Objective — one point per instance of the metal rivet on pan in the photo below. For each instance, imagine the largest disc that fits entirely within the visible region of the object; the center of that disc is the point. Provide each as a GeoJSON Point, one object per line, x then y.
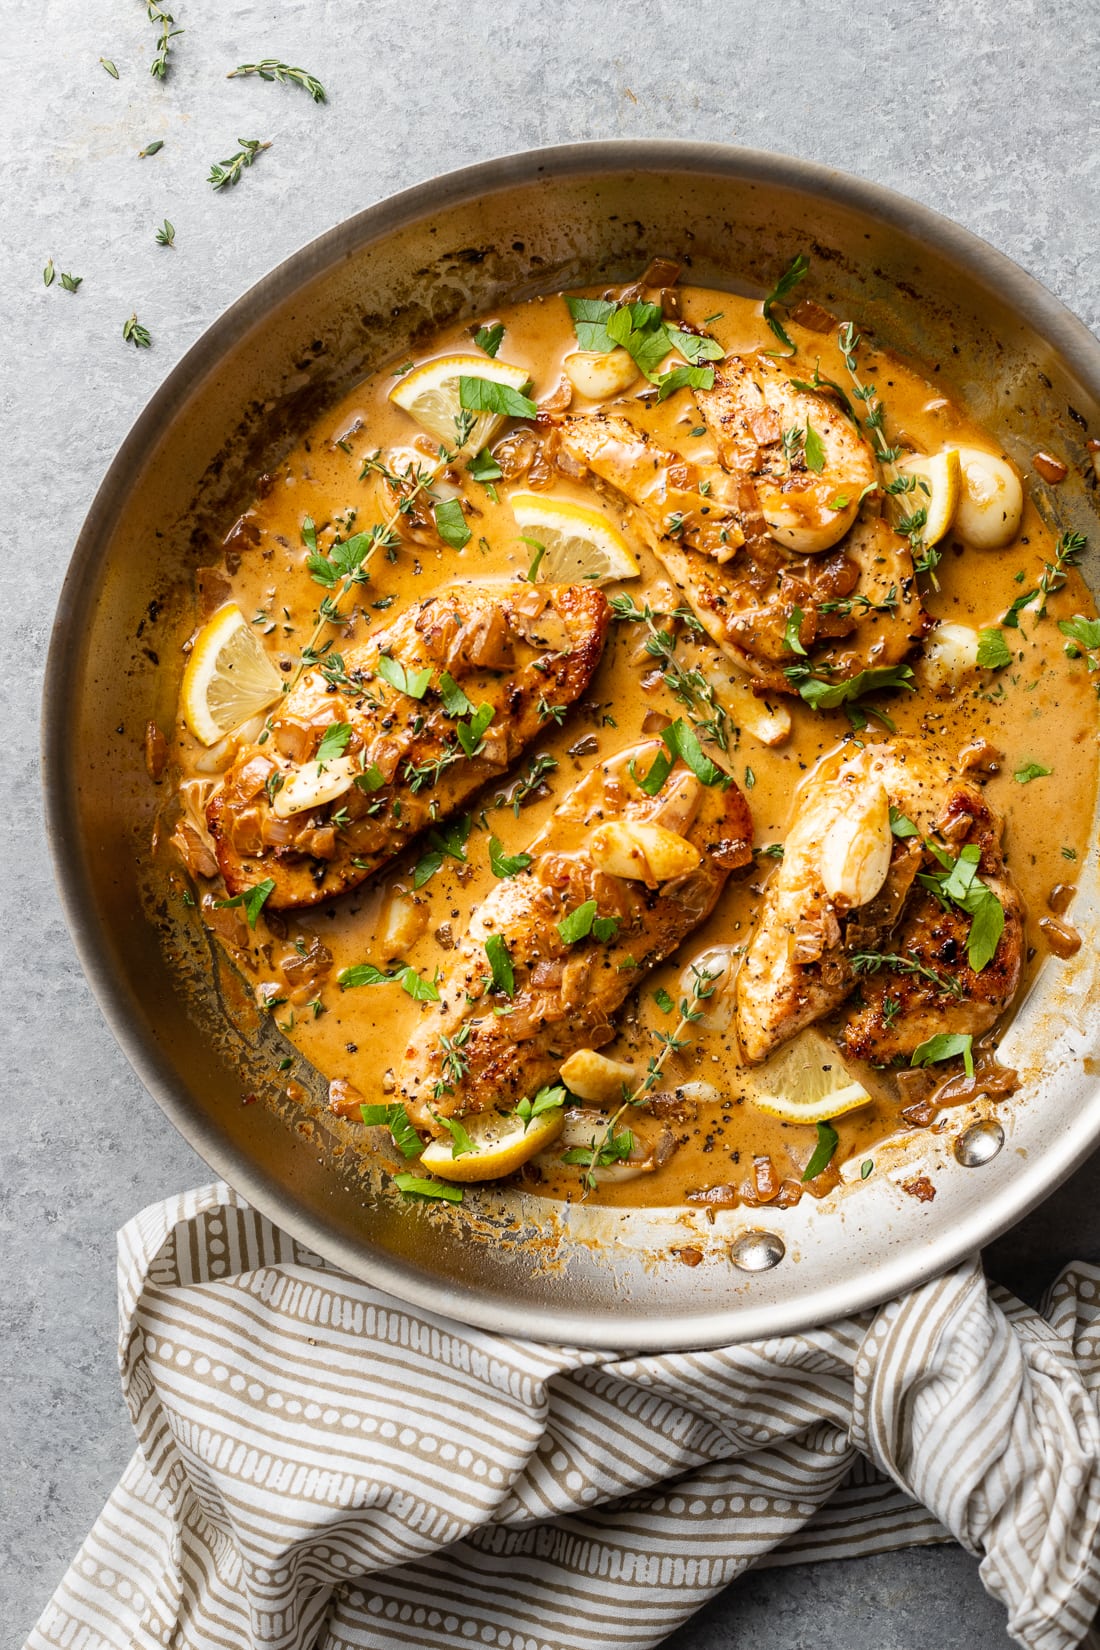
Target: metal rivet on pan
{"type": "Point", "coordinates": [757, 1251]}
{"type": "Point", "coordinates": [979, 1144]}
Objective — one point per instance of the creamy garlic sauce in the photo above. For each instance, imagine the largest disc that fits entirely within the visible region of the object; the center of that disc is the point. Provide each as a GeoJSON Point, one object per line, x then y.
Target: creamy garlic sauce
{"type": "Point", "coordinates": [1040, 709]}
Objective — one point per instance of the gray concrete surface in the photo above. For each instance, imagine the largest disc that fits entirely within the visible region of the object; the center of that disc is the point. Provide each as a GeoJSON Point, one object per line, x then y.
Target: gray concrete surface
{"type": "Point", "coordinates": [982, 110]}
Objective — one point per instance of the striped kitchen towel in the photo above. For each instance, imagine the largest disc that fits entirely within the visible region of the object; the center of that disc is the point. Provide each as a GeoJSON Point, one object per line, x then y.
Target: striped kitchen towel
{"type": "Point", "coordinates": [319, 1467]}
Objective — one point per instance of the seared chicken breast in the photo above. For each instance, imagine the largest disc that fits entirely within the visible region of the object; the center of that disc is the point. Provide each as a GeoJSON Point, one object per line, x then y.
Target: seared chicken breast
{"type": "Point", "coordinates": [859, 603]}
{"type": "Point", "coordinates": [896, 1011]}
{"type": "Point", "coordinates": [642, 871]}
{"type": "Point", "coordinates": [397, 732]}
{"type": "Point", "coordinates": [810, 466]}
{"type": "Point", "coordinates": [845, 900]}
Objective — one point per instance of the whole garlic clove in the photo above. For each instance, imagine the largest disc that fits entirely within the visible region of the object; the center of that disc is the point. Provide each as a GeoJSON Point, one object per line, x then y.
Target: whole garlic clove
{"type": "Point", "coordinates": [950, 656]}
{"type": "Point", "coordinates": [856, 849]}
{"type": "Point", "coordinates": [641, 852]}
{"type": "Point", "coordinates": [314, 783]}
{"type": "Point", "coordinates": [597, 1077]}
{"type": "Point", "coordinates": [596, 376]}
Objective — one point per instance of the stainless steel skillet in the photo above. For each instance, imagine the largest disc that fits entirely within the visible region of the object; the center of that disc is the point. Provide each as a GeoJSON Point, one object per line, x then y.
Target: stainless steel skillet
{"type": "Point", "coordinates": [390, 275]}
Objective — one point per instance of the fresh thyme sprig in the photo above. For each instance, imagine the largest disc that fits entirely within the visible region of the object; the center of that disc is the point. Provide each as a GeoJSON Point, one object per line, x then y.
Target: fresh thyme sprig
{"type": "Point", "coordinates": [166, 234]}
{"type": "Point", "coordinates": [671, 1042]}
{"type": "Point", "coordinates": [869, 962]}
{"type": "Point", "coordinates": [874, 414]}
{"type": "Point", "coordinates": [269, 68]}
{"type": "Point", "coordinates": [158, 68]}
{"type": "Point", "coordinates": [910, 515]}
{"type": "Point", "coordinates": [1066, 554]}
{"type": "Point", "coordinates": [225, 173]}
{"type": "Point", "coordinates": [354, 567]}
{"type": "Point", "coordinates": [690, 687]}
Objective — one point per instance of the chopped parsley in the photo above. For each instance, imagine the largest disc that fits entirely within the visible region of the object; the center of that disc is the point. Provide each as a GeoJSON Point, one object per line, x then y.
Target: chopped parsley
{"type": "Point", "coordinates": [780, 295]}
{"type": "Point", "coordinates": [252, 899]}
{"type": "Point", "coordinates": [489, 338]}
{"type": "Point", "coordinates": [945, 1045]}
{"type": "Point", "coordinates": [993, 651]}
{"type": "Point", "coordinates": [396, 1119]}
{"type": "Point", "coordinates": [419, 989]}
{"type": "Point", "coordinates": [506, 865]}
{"type": "Point", "coordinates": [411, 1185]}
{"type": "Point", "coordinates": [413, 683]}
{"type": "Point", "coordinates": [450, 523]}
{"type": "Point", "coordinates": [827, 1142]}
{"type": "Point", "coordinates": [500, 963]}
{"type": "Point", "coordinates": [486, 395]}
{"type": "Point", "coordinates": [547, 1099]}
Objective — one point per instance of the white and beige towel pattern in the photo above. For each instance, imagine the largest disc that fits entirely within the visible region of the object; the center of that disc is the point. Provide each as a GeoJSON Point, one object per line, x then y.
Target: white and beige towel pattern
{"type": "Point", "coordinates": [321, 1468]}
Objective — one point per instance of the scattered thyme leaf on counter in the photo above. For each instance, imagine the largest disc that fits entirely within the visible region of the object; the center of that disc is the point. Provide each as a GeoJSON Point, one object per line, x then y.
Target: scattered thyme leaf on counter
{"type": "Point", "coordinates": [269, 68]}
{"type": "Point", "coordinates": [48, 273]}
{"type": "Point", "coordinates": [153, 148]}
{"type": "Point", "coordinates": [110, 68]}
{"type": "Point", "coordinates": [166, 234]}
{"type": "Point", "coordinates": [224, 174]}
{"type": "Point", "coordinates": [134, 333]}
{"type": "Point", "coordinates": [158, 68]}
{"type": "Point", "coordinates": [71, 282]}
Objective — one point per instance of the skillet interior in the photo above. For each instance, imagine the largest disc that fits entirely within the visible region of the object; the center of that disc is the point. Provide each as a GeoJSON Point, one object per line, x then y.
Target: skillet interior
{"type": "Point", "coordinates": [393, 274]}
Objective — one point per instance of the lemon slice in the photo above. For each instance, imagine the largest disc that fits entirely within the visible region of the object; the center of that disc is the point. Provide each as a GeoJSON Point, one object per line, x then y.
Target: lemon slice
{"type": "Point", "coordinates": [501, 1144]}
{"type": "Point", "coordinates": [430, 394]}
{"type": "Point", "coordinates": [228, 678]}
{"type": "Point", "coordinates": [807, 1082]}
{"type": "Point", "coordinates": [577, 543]}
{"type": "Point", "coordinates": [938, 490]}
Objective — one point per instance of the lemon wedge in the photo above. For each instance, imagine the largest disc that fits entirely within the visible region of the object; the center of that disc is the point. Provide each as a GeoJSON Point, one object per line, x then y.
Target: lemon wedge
{"type": "Point", "coordinates": [229, 677]}
{"type": "Point", "coordinates": [578, 543]}
{"type": "Point", "coordinates": [807, 1082]}
{"type": "Point", "coordinates": [938, 490]}
{"type": "Point", "coordinates": [501, 1144]}
{"type": "Point", "coordinates": [430, 394]}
